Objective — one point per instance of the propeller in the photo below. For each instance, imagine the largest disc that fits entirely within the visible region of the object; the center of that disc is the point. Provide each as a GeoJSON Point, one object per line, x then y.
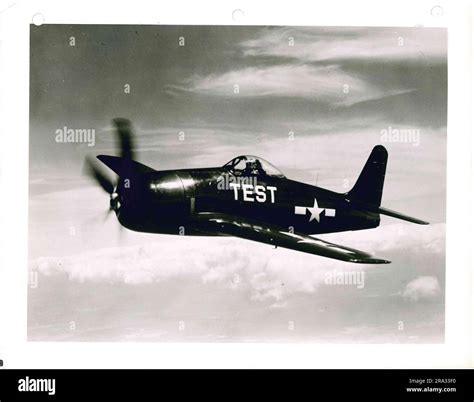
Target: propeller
{"type": "Point", "coordinates": [125, 137]}
{"type": "Point", "coordinates": [92, 170]}
{"type": "Point", "coordinates": [125, 144]}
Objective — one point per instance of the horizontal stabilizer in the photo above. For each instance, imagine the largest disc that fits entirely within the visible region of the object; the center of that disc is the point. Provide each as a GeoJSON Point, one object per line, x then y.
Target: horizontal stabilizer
{"type": "Point", "coordinates": [398, 215]}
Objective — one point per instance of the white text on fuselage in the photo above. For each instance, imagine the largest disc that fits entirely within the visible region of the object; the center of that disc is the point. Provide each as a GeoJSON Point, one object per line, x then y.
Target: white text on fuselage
{"type": "Point", "coordinates": [251, 193]}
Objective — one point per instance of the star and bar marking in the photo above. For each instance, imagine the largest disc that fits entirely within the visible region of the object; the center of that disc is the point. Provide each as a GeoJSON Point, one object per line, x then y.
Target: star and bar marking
{"type": "Point", "coordinates": [315, 211]}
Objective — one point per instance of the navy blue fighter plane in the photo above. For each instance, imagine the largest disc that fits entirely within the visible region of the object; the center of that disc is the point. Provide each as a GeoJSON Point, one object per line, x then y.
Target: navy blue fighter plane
{"type": "Point", "coordinates": [247, 198]}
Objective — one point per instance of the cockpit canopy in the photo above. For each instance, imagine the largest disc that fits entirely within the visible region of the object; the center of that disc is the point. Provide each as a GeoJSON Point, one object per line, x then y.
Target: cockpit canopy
{"type": "Point", "coordinates": [248, 165]}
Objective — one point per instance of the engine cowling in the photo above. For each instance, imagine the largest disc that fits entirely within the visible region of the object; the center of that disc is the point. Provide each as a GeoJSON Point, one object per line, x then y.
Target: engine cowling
{"type": "Point", "coordinates": [158, 205]}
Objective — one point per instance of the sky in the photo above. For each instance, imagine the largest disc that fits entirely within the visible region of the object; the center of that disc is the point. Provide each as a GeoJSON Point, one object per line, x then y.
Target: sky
{"type": "Point", "coordinates": [311, 100]}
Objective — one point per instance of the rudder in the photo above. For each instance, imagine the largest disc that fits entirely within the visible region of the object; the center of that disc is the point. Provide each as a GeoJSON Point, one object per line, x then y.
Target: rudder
{"type": "Point", "coordinates": [369, 186]}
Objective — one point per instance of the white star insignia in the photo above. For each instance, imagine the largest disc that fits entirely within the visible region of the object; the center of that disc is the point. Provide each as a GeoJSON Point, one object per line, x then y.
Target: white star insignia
{"type": "Point", "coordinates": [315, 211]}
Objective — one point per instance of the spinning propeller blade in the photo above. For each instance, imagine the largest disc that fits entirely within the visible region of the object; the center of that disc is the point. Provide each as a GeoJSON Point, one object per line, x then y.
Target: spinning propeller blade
{"type": "Point", "coordinates": [92, 170]}
{"type": "Point", "coordinates": [125, 137]}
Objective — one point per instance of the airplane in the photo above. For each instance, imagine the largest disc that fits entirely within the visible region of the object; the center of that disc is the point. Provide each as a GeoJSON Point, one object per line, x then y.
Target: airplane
{"type": "Point", "coordinates": [247, 198]}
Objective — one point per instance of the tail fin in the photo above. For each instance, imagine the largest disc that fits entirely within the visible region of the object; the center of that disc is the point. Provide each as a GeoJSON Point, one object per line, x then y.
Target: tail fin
{"type": "Point", "coordinates": [367, 192]}
{"type": "Point", "coordinates": [369, 186]}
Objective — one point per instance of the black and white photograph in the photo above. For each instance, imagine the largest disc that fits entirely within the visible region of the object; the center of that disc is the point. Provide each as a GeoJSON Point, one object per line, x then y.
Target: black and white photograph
{"type": "Point", "coordinates": [237, 184]}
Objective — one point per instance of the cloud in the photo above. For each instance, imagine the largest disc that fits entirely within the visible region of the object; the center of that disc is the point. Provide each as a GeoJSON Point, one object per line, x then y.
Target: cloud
{"type": "Point", "coordinates": [422, 288]}
{"type": "Point", "coordinates": [326, 84]}
{"type": "Point", "coordinates": [313, 63]}
{"type": "Point", "coordinates": [264, 272]}
{"type": "Point", "coordinates": [314, 45]}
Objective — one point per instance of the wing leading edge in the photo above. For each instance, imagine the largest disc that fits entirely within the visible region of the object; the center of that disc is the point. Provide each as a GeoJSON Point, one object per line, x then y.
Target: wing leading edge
{"type": "Point", "coordinates": [257, 231]}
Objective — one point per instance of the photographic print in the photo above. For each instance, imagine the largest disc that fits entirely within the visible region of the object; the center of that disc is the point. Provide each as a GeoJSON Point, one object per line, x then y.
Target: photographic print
{"type": "Point", "coordinates": [237, 184]}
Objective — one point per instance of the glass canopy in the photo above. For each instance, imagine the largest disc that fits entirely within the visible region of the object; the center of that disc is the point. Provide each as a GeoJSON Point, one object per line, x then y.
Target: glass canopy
{"type": "Point", "coordinates": [248, 165]}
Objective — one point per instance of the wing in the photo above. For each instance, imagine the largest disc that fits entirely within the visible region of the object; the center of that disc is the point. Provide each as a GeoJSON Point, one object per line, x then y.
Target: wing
{"type": "Point", "coordinates": [263, 233]}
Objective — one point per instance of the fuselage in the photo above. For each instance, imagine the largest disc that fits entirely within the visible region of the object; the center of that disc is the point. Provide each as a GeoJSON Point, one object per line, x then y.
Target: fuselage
{"type": "Point", "coordinates": [168, 201]}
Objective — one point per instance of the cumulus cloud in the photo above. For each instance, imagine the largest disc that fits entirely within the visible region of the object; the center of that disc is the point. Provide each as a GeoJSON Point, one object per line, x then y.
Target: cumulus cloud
{"type": "Point", "coordinates": [239, 264]}
{"type": "Point", "coordinates": [422, 288]}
